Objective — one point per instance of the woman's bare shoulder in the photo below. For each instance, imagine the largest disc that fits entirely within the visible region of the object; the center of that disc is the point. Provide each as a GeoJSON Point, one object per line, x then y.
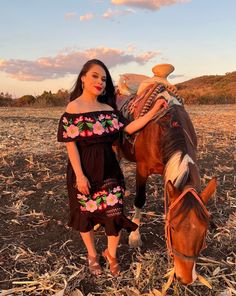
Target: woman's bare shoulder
{"type": "Point", "coordinates": [72, 107]}
{"type": "Point", "coordinates": [106, 107]}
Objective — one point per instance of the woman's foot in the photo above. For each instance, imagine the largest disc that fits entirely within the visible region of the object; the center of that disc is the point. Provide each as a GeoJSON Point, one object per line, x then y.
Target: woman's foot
{"type": "Point", "coordinates": [114, 265]}
{"type": "Point", "coordinates": [94, 266]}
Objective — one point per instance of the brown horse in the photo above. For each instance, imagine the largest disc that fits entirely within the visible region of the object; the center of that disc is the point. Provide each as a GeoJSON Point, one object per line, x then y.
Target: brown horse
{"type": "Point", "coordinates": [167, 146]}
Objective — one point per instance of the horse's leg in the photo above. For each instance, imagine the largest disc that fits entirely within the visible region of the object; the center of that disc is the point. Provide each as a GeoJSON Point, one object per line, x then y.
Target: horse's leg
{"type": "Point", "coordinates": [140, 198]}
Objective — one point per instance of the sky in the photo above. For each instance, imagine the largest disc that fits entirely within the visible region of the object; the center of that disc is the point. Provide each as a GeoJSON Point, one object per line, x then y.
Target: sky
{"type": "Point", "coordinates": [44, 43]}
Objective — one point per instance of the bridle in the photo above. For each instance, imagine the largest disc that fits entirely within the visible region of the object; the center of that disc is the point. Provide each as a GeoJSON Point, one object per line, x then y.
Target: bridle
{"type": "Point", "coordinates": [168, 225]}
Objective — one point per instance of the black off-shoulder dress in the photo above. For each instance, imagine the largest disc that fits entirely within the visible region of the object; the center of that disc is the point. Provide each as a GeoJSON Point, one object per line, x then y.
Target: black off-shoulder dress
{"type": "Point", "coordinates": [94, 133]}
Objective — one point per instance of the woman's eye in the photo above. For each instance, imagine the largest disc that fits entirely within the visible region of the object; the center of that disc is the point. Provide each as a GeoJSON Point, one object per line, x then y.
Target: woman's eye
{"type": "Point", "coordinates": [104, 80]}
{"type": "Point", "coordinates": [95, 76]}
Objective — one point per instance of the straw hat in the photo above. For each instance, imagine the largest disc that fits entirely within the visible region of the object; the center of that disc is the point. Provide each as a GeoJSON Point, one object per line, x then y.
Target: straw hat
{"type": "Point", "coordinates": [161, 72]}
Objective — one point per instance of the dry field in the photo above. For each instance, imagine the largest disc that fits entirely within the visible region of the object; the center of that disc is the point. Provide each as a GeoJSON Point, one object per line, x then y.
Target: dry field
{"type": "Point", "coordinates": [39, 255]}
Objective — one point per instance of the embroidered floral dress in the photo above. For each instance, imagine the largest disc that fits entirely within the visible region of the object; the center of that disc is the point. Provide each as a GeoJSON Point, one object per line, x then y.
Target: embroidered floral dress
{"type": "Point", "coordinates": [94, 133]}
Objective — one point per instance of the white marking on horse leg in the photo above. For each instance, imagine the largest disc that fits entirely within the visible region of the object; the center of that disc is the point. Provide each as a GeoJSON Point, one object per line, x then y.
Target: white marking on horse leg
{"type": "Point", "coordinates": [135, 238]}
{"type": "Point", "coordinates": [137, 214]}
{"type": "Point", "coordinates": [194, 274]}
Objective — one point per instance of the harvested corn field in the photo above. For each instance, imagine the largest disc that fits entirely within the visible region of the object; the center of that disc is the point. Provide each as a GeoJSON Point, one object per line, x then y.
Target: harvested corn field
{"type": "Point", "coordinates": [40, 255]}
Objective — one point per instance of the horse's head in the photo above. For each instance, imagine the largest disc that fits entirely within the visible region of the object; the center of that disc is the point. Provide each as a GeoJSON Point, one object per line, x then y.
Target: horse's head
{"type": "Point", "coordinates": [186, 226]}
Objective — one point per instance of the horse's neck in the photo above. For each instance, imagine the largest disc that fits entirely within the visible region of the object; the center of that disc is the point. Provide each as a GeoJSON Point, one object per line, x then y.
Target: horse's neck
{"type": "Point", "coordinates": [179, 151]}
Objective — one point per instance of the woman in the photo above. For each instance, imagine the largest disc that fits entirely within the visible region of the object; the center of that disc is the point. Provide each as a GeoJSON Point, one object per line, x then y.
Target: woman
{"type": "Point", "coordinates": [95, 182]}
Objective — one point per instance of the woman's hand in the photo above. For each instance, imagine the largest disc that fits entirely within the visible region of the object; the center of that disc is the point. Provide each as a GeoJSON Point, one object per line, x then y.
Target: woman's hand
{"type": "Point", "coordinates": [160, 103]}
{"type": "Point", "coordinates": [82, 184]}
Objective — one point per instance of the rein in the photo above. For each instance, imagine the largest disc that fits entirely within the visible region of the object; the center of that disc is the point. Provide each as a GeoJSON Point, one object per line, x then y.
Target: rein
{"type": "Point", "coordinates": [171, 250]}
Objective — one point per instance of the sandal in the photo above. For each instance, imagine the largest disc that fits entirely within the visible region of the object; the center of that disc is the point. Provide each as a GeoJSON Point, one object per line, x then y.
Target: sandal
{"type": "Point", "coordinates": [94, 266]}
{"type": "Point", "coordinates": [114, 265]}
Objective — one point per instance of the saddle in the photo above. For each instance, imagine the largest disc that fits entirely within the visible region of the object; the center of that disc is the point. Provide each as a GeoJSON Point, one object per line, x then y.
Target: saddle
{"type": "Point", "coordinates": [135, 106]}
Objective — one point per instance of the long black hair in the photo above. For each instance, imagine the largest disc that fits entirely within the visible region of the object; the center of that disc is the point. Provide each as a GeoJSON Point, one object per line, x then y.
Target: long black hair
{"type": "Point", "coordinates": [109, 97]}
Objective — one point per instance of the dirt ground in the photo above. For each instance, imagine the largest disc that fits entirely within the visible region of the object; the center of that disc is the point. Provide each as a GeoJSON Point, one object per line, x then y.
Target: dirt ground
{"type": "Point", "coordinates": [40, 255]}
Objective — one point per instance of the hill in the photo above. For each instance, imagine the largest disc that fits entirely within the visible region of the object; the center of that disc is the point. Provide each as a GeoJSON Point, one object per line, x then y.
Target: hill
{"type": "Point", "coordinates": [209, 89]}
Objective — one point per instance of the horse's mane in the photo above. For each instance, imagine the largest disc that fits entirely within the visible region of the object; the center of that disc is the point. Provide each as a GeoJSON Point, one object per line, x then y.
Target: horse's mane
{"type": "Point", "coordinates": [174, 148]}
{"type": "Point", "coordinates": [190, 202]}
{"type": "Point", "coordinates": [173, 138]}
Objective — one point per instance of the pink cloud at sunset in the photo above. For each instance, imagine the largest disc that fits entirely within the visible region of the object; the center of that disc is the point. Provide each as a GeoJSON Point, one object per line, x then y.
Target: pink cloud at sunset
{"type": "Point", "coordinates": [110, 13]}
{"type": "Point", "coordinates": [69, 63]}
{"type": "Point", "coordinates": [148, 4]}
{"type": "Point", "coordinates": [86, 17]}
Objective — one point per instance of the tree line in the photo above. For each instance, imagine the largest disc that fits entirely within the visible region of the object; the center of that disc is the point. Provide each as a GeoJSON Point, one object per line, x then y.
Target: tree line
{"type": "Point", "coordinates": [46, 99]}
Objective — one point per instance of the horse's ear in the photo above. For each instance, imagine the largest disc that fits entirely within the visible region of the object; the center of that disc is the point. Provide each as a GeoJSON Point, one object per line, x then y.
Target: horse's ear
{"type": "Point", "coordinates": [172, 192]}
{"type": "Point", "coordinates": [209, 190]}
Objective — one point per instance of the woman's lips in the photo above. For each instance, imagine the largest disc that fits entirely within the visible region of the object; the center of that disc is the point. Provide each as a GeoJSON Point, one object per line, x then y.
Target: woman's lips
{"type": "Point", "coordinates": [98, 88]}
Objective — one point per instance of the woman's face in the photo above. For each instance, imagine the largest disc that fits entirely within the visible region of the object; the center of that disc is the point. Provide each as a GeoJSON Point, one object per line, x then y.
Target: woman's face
{"type": "Point", "coordinates": [94, 81]}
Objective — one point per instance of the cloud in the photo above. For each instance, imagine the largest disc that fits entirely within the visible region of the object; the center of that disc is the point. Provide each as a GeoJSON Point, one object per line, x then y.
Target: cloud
{"type": "Point", "coordinates": [70, 63]}
{"type": "Point", "coordinates": [112, 13]}
{"type": "Point", "coordinates": [70, 15]}
{"type": "Point", "coordinates": [148, 4]}
{"type": "Point", "coordinates": [86, 17]}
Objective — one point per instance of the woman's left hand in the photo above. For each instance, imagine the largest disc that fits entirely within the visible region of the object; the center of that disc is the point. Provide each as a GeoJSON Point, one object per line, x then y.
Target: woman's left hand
{"type": "Point", "coordinates": [160, 103]}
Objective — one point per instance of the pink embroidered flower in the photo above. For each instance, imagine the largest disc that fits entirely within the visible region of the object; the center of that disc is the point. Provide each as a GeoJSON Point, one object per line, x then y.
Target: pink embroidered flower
{"type": "Point", "coordinates": [89, 133]}
{"type": "Point", "coordinates": [98, 128]}
{"type": "Point", "coordinates": [91, 206]}
{"type": "Point", "coordinates": [120, 201]}
{"type": "Point", "coordinates": [89, 119]}
{"type": "Point", "coordinates": [112, 129]}
{"type": "Point", "coordinates": [65, 135]}
{"type": "Point", "coordinates": [77, 120]}
{"type": "Point", "coordinates": [99, 193]}
{"type": "Point", "coordinates": [115, 123]}
{"type": "Point", "coordinates": [83, 197]}
{"type": "Point", "coordinates": [120, 124]}
{"type": "Point", "coordinates": [101, 117]}
{"type": "Point", "coordinates": [96, 195]}
{"type": "Point", "coordinates": [108, 116]}
{"type": "Point", "coordinates": [106, 130]}
{"type": "Point", "coordinates": [118, 188]}
{"type": "Point", "coordinates": [111, 199]}
{"type": "Point", "coordinates": [72, 131]}
{"type": "Point", "coordinates": [64, 120]}
{"type": "Point", "coordinates": [83, 209]}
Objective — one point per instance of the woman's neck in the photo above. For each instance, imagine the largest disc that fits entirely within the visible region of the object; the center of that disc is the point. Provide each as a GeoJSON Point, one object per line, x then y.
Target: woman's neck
{"type": "Point", "coordinates": [88, 97]}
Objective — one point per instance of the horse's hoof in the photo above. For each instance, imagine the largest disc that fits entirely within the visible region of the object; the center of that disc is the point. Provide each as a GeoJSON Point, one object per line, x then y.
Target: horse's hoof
{"type": "Point", "coordinates": [135, 243]}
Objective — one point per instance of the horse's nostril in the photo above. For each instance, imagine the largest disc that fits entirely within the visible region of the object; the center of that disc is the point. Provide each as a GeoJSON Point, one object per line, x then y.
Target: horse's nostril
{"type": "Point", "coordinates": [178, 278]}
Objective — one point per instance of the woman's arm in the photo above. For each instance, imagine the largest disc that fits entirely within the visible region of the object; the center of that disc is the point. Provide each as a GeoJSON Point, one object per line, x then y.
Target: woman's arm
{"type": "Point", "coordinates": [82, 182]}
{"type": "Point", "coordinates": [139, 123]}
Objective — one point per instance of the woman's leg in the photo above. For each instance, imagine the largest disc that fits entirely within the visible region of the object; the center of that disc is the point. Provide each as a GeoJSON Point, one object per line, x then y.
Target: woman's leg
{"type": "Point", "coordinates": [88, 239]}
{"type": "Point", "coordinates": [110, 254]}
{"type": "Point", "coordinates": [112, 244]}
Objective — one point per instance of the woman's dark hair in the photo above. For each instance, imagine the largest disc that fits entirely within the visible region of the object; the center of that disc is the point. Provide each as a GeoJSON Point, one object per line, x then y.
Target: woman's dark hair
{"type": "Point", "coordinates": [109, 97]}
